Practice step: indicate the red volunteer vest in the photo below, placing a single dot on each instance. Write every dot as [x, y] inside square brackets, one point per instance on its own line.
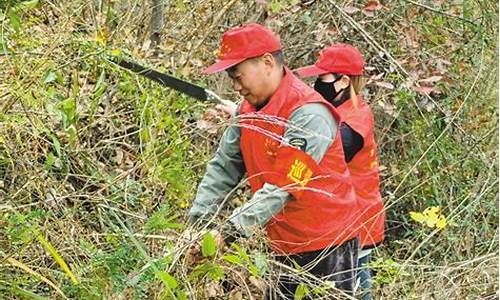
[365, 172]
[323, 211]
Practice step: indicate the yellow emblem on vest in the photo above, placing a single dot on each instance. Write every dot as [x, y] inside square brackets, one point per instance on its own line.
[299, 173]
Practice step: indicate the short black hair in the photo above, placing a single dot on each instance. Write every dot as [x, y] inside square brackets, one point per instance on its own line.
[278, 56]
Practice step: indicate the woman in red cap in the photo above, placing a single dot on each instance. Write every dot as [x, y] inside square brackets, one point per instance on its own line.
[340, 81]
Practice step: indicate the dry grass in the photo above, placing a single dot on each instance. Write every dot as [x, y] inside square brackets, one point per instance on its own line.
[101, 197]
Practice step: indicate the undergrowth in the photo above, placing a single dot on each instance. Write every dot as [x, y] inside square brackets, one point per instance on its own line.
[99, 166]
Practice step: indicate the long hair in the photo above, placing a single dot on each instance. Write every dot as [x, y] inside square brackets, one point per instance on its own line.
[357, 82]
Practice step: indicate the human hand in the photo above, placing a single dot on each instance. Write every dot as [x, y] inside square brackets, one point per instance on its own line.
[227, 106]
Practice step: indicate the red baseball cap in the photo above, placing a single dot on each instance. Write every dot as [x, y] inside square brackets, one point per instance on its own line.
[339, 58]
[240, 43]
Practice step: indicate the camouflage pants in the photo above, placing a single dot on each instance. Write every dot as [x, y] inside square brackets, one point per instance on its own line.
[336, 265]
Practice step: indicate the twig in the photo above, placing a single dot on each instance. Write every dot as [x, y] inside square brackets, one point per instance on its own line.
[448, 126]
[210, 29]
[441, 12]
[139, 235]
[8, 104]
[28, 270]
[369, 38]
[122, 211]
[374, 43]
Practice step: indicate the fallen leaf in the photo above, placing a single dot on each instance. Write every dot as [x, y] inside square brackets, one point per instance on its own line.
[431, 79]
[214, 290]
[206, 125]
[441, 65]
[50, 199]
[332, 30]
[146, 45]
[388, 108]
[235, 295]
[375, 77]
[258, 283]
[119, 156]
[426, 104]
[372, 5]
[186, 71]
[261, 1]
[320, 31]
[350, 10]
[384, 84]
[368, 13]
[426, 90]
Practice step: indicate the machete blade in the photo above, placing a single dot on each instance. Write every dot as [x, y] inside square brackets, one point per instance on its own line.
[182, 86]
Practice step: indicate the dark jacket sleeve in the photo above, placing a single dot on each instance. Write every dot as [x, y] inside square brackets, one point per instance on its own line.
[352, 142]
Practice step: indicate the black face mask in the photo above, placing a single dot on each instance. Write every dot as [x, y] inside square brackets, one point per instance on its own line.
[327, 89]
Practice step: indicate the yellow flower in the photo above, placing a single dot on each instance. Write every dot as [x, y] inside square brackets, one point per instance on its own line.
[442, 222]
[101, 37]
[430, 217]
[419, 217]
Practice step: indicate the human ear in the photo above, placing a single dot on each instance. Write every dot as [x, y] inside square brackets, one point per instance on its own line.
[269, 62]
[342, 83]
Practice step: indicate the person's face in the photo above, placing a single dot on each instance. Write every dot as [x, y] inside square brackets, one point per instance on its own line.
[331, 86]
[251, 80]
[340, 82]
[329, 77]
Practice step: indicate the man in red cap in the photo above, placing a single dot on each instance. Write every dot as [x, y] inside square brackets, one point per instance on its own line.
[285, 138]
[340, 81]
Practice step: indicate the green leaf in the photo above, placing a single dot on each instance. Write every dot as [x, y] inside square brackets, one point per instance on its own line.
[208, 245]
[27, 294]
[181, 295]
[75, 87]
[253, 270]
[25, 5]
[15, 21]
[49, 77]
[214, 271]
[300, 292]
[116, 52]
[57, 257]
[49, 161]
[179, 4]
[160, 221]
[68, 112]
[232, 259]
[167, 279]
[241, 252]
[71, 131]
[4, 49]
[261, 263]
[56, 143]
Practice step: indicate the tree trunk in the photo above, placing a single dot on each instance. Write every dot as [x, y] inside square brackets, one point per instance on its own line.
[156, 22]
